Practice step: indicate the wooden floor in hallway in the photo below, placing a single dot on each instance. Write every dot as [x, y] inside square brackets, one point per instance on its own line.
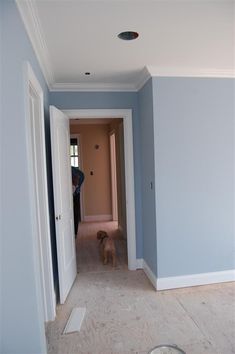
[125, 315]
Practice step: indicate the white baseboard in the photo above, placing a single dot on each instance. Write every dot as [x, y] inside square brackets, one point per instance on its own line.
[90, 218]
[139, 263]
[149, 273]
[185, 280]
[195, 280]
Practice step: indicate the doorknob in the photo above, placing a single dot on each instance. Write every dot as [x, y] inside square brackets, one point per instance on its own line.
[58, 217]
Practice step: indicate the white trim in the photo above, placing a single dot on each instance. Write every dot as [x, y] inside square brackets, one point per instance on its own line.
[126, 114]
[190, 72]
[144, 76]
[185, 280]
[30, 18]
[40, 211]
[91, 218]
[113, 168]
[195, 279]
[150, 275]
[78, 136]
[92, 87]
[139, 263]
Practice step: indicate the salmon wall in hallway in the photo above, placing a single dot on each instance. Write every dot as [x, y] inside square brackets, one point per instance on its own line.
[96, 167]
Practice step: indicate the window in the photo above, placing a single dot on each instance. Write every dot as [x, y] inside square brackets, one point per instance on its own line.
[74, 152]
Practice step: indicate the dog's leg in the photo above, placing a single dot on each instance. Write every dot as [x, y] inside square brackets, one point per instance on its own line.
[105, 257]
[114, 258]
[101, 253]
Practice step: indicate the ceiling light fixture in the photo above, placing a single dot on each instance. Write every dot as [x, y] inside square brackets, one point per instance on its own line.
[128, 35]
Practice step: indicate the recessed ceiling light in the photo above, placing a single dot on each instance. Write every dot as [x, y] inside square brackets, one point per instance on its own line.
[128, 35]
[87, 73]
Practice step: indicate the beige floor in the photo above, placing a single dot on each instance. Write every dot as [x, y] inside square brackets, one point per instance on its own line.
[125, 315]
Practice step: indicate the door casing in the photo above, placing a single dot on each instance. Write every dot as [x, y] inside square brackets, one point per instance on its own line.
[38, 191]
[126, 114]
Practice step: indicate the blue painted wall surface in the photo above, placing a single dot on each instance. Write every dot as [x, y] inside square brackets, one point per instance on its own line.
[111, 100]
[145, 99]
[194, 134]
[1, 206]
[23, 329]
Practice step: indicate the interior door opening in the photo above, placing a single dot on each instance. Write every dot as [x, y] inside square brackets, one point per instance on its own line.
[63, 191]
[99, 151]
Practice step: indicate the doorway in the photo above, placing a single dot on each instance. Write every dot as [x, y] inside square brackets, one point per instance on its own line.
[60, 141]
[126, 115]
[99, 144]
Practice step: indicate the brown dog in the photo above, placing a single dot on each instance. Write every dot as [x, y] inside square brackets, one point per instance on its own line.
[107, 247]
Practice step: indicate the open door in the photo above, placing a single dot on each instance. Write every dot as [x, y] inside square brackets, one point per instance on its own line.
[62, 186]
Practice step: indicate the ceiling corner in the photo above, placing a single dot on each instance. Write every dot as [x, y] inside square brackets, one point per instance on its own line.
[143, 77]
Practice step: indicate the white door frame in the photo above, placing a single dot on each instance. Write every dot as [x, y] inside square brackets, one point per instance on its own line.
[38, 194]
[113, 166]
[126, 114]
[78, 136]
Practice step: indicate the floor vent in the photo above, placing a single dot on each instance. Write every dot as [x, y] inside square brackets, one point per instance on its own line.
[75, 320]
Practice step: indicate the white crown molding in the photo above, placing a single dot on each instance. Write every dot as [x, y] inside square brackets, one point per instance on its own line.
[190, 72]
[92, 87]
[29, 15]
[143, 77]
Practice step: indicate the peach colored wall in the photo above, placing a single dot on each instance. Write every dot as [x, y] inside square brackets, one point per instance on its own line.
[96, 187]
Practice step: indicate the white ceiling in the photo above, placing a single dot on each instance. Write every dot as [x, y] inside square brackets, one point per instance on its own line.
[176, 38]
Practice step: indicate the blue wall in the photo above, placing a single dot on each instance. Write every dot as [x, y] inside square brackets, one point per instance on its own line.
[22, 315]
[145, 99]
[111, 100]
[1, 156]
[194, 134]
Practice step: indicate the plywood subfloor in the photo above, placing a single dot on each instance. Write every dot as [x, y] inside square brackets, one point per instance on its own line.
[87, 245]
[125, 316]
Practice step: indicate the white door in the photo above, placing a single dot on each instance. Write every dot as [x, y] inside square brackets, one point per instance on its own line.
[62, 185]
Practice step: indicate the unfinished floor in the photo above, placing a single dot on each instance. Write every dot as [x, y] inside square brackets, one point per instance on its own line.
[125, 315]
